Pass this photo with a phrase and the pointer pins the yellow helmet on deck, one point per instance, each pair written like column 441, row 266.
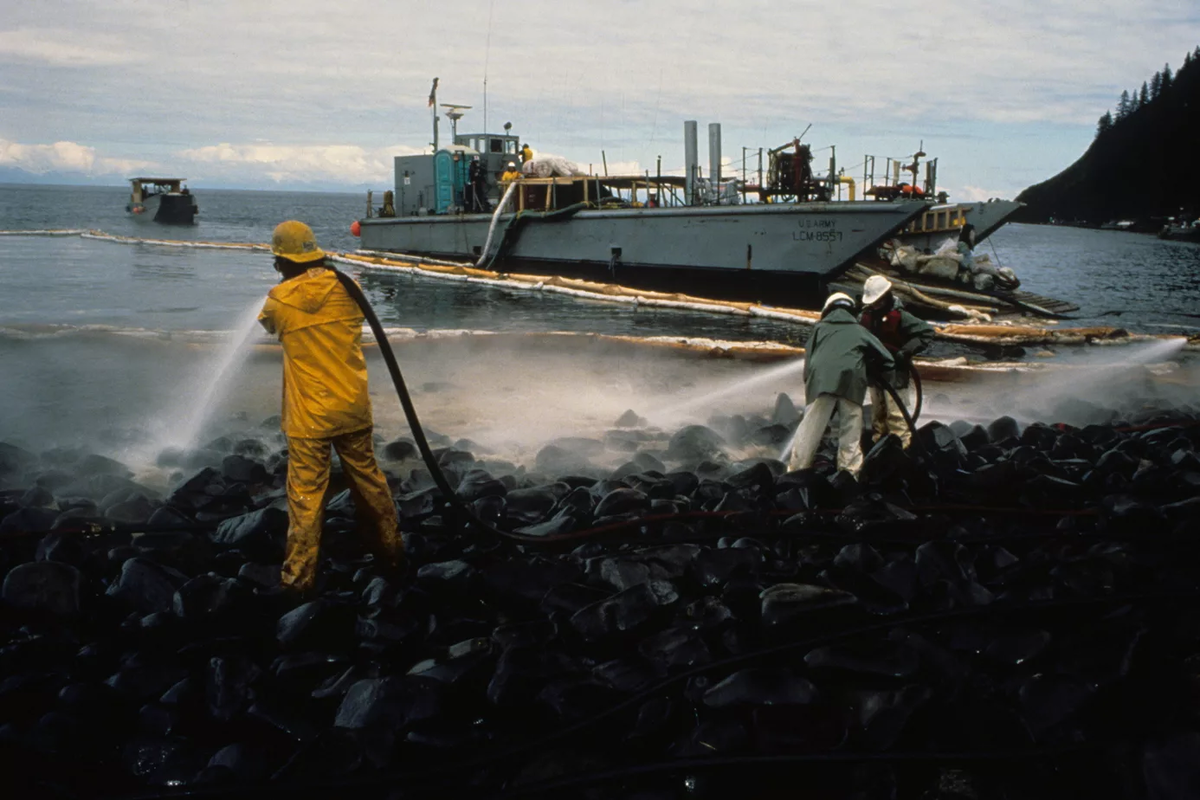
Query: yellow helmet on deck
column 295, row 241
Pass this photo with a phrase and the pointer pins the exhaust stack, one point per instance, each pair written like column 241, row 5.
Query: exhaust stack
column 714, row 155
column 691, row 161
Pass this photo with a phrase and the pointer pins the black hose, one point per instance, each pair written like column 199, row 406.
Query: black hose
column 410, row 412
column 909, row 420
column 916, row 379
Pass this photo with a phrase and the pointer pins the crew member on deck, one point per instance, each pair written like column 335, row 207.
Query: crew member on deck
column 511, row 173
column 526, row 153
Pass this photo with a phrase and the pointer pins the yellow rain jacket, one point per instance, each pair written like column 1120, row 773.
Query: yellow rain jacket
column 324, row 373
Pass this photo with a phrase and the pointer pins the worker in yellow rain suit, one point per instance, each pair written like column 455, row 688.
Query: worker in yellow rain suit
column 325, row 402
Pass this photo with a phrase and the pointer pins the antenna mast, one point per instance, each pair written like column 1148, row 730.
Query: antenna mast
column 433, row 107
column 486, row 54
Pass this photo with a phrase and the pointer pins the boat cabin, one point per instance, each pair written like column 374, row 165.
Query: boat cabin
column 147, row 187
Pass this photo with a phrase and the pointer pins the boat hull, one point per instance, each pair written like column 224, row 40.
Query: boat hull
column 746, row 252
column 170, row 209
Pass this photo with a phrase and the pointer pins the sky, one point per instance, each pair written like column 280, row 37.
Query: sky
column 304, row 94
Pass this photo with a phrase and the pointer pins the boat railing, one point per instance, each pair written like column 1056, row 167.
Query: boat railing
column 939, row 220
column 593, row 191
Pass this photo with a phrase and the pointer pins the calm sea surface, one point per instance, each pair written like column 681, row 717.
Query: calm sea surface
column 93, row 332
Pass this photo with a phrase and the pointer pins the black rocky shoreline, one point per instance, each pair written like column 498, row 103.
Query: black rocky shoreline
column 1000, row 612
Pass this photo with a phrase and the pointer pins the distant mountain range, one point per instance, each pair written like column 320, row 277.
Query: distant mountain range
column 1142, row 165
column 15, row 175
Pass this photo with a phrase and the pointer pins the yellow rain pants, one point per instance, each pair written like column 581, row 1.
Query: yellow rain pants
column 307, row 482
column 325, row 403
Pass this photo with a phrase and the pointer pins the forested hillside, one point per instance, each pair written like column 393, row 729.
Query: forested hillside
column 1142, row 164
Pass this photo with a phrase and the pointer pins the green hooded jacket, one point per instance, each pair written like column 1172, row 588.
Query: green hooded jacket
column 839, row 352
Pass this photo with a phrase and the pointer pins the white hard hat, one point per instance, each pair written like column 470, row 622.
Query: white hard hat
column 875, row 287
column 838, row 299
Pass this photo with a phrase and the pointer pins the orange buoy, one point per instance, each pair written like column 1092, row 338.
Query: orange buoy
column 355, row 228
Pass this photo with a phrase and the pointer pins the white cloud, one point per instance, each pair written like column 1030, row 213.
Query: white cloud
column 347, row 164
column 61, row 47
column 317, row 78
column 64, row 157
column 971, row 194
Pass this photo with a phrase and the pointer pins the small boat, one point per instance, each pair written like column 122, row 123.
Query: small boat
column 1182, row 230
column 162, row 200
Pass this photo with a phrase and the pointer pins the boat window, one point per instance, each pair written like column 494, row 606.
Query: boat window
column 497, row 145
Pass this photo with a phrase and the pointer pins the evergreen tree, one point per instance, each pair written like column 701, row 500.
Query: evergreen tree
column 1104, row 125
column 1166, row 78
column 1144, row 96
column 1156, row 86
column 1123, row 108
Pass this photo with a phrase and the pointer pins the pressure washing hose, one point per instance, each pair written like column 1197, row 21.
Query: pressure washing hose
column 909, row 419
column 410, row 412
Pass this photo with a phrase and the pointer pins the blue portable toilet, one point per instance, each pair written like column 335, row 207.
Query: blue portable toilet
column 450, row 174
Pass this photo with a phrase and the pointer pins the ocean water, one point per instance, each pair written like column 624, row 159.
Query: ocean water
column 109, row 346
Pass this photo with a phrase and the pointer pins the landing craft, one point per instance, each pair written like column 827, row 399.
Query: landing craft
column 162, row 200
column 780, row 241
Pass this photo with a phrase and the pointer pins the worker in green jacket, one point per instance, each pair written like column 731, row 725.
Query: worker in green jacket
column 840, row 354
column 904, row 335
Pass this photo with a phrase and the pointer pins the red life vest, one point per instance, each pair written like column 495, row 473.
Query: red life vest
column 886, row 328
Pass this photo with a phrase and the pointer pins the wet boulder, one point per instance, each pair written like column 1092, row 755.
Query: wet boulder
column 209, row 596
column 227, row 685
column 393, row 702
column 785, row 412
column 146, row 586
column 65, row 548
column 477, row 484
column 786, row 603
column 28, row 520
column 629, row 419
column 241, row 469
column 761, row 686
column 625, row 612
column 94, row 464
column 533, row 504
column 679, row 647
column 622, row 501
column 42, row 586
column 695, row 443
column 529, row 578
column 15, row 461
column 37, row 497
column 522, row 672
column 400, row 450
column 568, row 455
column 1002, row 429
column 260, row 534
column 319, row 624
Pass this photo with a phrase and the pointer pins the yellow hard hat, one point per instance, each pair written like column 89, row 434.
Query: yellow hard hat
column 295, row 241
